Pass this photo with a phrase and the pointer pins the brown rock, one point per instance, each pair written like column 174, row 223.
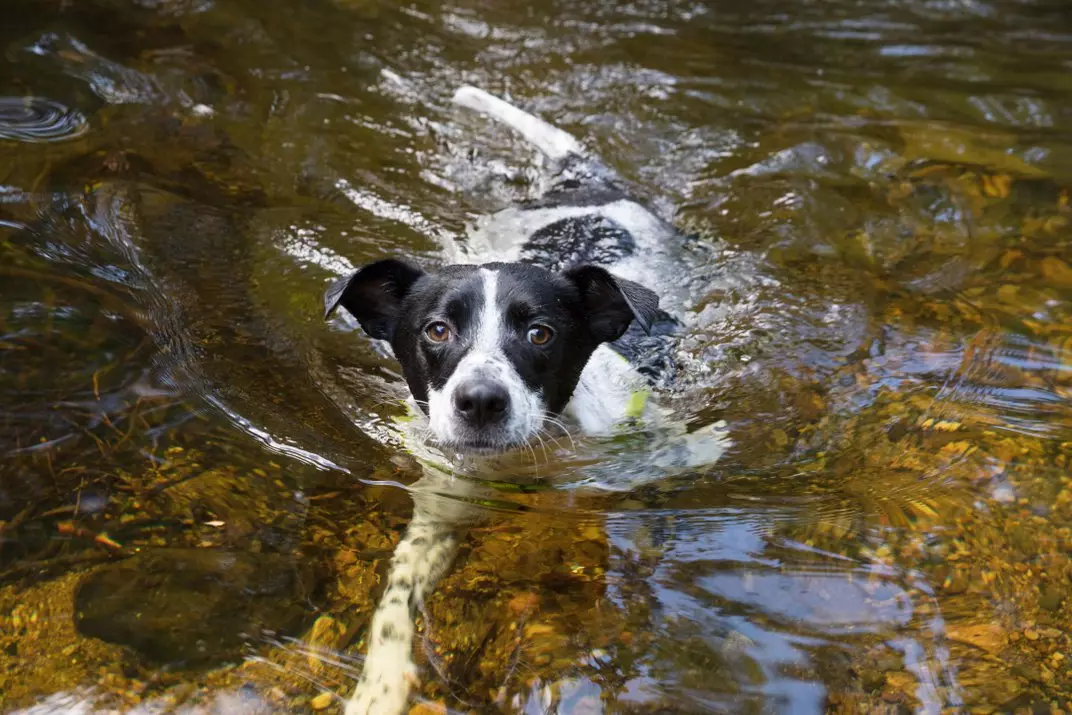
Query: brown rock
column 1056, row 272
column 523, row 603
column 321, row 701
column 985, row 636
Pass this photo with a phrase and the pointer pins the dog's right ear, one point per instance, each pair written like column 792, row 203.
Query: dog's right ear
column 373, row 295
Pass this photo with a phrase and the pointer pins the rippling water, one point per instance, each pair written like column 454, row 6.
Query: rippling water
column 200, row 482
column 32, row 119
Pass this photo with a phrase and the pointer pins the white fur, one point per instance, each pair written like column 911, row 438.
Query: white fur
column 602, row 397
column 495, row 237
column 551, row 140
column 487, row 361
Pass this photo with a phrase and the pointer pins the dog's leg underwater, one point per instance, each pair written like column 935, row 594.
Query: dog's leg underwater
column 420, row 559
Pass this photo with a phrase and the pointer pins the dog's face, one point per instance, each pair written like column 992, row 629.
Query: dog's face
column 489, row 352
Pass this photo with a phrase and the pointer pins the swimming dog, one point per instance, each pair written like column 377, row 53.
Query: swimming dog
column 544, row 320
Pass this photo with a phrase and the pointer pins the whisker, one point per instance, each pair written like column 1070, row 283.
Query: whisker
column 554, row 440
column 556, row 422
column 553, row 419
column 544, row 432
column 543, row 445
column 426, row 435
column 535, row 460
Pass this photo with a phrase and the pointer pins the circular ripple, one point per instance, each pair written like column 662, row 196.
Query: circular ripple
column 35, row 119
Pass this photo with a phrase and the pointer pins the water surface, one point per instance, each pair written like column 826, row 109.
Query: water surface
column 199, row 487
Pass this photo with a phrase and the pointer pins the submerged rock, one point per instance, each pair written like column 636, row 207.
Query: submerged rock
column 190, row 607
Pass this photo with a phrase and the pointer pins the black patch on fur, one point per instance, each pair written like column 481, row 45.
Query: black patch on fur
column 576, row 240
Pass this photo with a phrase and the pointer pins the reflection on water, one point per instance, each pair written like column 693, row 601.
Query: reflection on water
column 877, row 272
column 33, row 119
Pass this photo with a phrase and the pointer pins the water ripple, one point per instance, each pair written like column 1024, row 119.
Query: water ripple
column 36, row 119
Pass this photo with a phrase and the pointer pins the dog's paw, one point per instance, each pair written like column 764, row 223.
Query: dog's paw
column 383, row 691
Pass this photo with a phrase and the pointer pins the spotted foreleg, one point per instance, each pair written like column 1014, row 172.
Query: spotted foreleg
column 423, row 555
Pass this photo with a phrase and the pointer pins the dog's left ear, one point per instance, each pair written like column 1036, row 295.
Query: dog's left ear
column 612, row 303
column 373, row 295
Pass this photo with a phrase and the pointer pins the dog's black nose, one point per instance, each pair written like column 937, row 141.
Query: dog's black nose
column 481, row 403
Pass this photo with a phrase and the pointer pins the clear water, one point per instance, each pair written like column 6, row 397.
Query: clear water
column 198, row 489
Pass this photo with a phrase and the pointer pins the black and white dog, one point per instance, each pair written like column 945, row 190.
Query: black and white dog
column 541, row 321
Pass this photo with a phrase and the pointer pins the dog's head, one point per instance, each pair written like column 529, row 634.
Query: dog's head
column 491, row 351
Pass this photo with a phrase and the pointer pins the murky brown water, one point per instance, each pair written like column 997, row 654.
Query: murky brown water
column 198, row 491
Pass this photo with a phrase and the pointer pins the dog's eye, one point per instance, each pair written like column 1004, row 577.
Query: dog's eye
column 438, row 332
column 540, row 335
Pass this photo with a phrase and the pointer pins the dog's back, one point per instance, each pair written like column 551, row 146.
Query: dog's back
column 585, row 215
